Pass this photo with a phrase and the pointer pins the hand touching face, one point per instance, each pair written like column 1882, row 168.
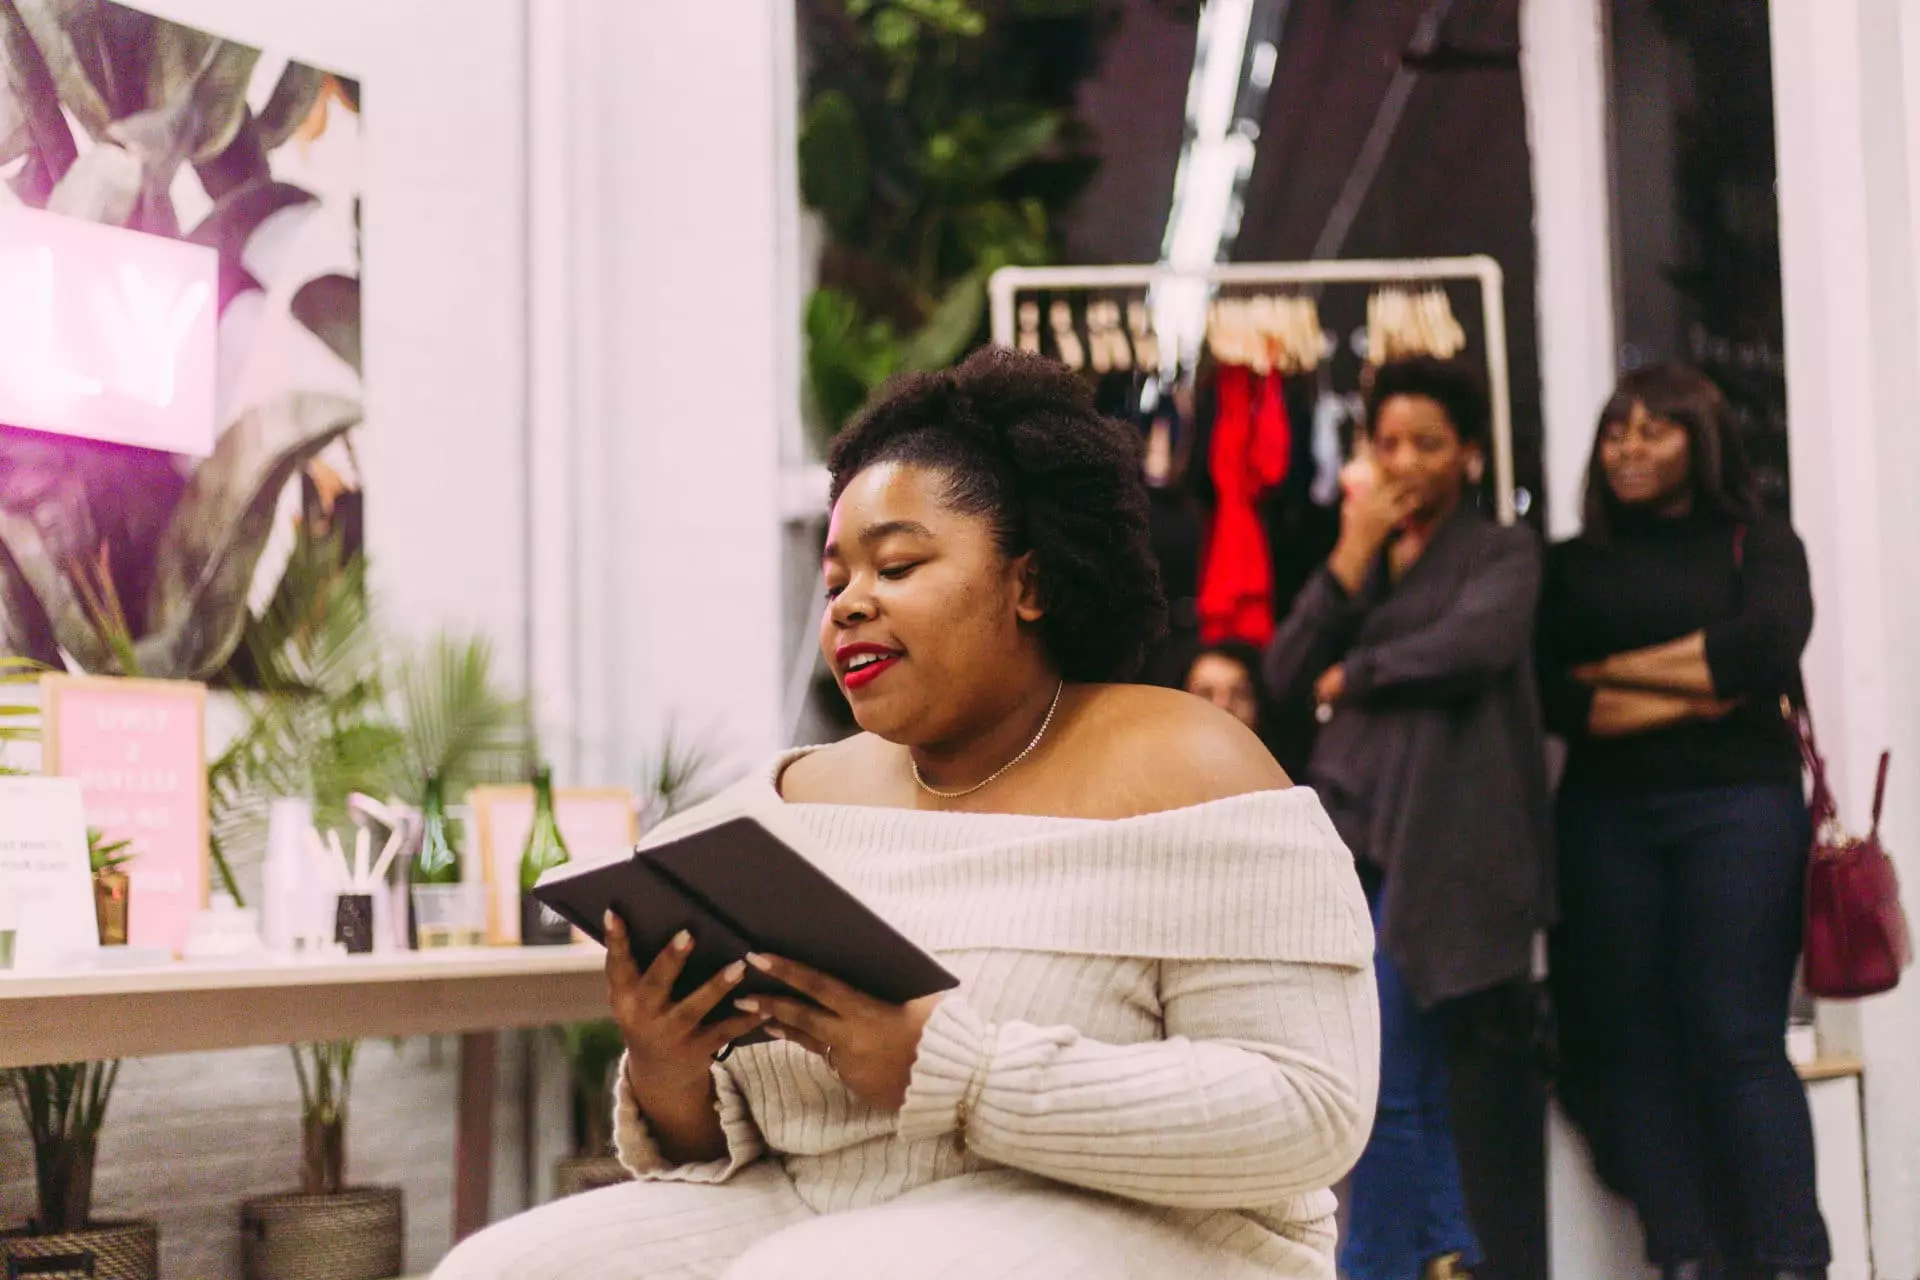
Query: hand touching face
column 1419, row 452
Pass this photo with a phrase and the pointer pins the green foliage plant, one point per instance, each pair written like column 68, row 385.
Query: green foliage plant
column 939, row 141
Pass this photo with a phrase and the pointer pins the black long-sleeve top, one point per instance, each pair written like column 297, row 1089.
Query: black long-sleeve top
column 1658, row 580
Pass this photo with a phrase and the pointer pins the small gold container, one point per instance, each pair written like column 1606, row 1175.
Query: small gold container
column 110, row 906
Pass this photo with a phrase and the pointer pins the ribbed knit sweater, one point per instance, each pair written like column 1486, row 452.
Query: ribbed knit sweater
column 1176, row 1009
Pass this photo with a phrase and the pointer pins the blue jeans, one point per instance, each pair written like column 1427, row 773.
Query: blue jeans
column 1680, row 929
column 1404, row 1203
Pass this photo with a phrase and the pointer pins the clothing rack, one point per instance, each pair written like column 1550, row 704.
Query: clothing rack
column 1008, row 282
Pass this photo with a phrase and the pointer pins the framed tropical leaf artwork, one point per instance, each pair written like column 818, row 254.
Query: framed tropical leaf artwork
column 180, row 381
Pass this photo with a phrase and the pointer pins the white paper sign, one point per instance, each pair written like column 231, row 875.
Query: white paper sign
column 46, row 882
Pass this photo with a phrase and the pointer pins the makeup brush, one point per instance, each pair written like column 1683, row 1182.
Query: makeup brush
column 396, row 839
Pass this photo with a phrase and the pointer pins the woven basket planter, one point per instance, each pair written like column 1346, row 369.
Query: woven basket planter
column 114, row 1250
column 356, row 1234
column 588, row 1173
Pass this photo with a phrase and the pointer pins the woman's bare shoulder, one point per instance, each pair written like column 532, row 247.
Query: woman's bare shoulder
column 832, row 774
column 1171, row 750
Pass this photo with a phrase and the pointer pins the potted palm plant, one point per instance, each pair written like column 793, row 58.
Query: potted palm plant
column 327, row 1230
column 64, row 1106
column 337, row 716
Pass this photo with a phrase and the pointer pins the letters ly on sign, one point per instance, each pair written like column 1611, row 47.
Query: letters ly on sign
column 107, row 334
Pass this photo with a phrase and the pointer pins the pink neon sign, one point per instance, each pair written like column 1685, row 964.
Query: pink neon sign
column 107, row 334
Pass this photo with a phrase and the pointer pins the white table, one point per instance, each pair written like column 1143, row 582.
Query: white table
column 190, row 1008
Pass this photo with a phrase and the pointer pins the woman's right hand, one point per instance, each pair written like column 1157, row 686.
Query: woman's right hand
column 1370, row 514
column 1706, row 708
column 669, row 1050
column 1368, row 517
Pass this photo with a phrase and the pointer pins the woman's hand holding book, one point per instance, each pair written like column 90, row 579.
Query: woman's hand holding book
column 670, row 1051
column 870, row 1044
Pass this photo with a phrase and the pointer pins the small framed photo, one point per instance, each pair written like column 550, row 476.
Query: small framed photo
column 138, row 750
column 599, row 824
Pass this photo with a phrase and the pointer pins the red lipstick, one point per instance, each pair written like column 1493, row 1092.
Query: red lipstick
column 861, row 663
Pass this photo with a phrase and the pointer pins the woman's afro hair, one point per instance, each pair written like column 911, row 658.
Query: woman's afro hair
column 1021, row 444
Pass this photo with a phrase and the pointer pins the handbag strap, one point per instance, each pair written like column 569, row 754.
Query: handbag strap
column 1821, row 801
column 1880, row 792
column 1794, row 706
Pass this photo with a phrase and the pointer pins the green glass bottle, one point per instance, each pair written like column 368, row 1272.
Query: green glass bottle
column 540, row 925
column 436, row 863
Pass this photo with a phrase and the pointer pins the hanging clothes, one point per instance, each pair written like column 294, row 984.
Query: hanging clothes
column 1330, row 414
column 1299, row 532
column 1251, row 449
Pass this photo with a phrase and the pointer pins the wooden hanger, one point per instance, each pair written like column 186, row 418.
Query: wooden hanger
column 1029, row 338
column 1106, row 341
column 1146, row 344
column 1122, row 350
column 1262, row 333
column 1446, row 336
column 1066, row 340
column 1301, row 336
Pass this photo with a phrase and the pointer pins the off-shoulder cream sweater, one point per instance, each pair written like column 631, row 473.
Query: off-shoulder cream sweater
column 1176, row 1009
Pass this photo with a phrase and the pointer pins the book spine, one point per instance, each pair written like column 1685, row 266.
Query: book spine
column 697, row 898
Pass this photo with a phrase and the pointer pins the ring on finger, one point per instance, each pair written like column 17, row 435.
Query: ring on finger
column 829, row 1057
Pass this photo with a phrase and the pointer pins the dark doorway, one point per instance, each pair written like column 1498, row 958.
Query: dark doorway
column 1697, row 240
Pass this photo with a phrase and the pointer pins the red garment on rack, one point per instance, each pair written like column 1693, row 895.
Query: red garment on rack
column 1252, row 444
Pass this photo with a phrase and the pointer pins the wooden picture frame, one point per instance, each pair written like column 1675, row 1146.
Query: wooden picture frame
column 138, row 749
column 598, row 824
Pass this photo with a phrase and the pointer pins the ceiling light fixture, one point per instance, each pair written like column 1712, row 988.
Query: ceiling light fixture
column 1236, row 53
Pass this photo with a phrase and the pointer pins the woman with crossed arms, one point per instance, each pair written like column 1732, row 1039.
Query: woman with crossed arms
column 1670, row 630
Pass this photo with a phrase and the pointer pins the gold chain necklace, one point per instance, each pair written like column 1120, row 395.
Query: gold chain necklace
column 995, row 775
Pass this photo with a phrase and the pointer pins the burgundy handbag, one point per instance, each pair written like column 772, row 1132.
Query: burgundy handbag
column 1857, row 941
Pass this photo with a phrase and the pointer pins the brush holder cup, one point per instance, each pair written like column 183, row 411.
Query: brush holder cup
column 353, row 922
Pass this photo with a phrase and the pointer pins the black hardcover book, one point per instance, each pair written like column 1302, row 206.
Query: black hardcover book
column 738, row 888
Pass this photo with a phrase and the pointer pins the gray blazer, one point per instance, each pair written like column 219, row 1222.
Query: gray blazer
column 1433, row 767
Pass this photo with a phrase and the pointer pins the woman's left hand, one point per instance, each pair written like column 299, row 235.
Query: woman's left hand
column 1593, row 674
column 1331, row 686
column 868, row 1043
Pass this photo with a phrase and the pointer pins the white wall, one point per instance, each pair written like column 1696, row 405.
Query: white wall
column 1848, row 168
column 444, row 237
column 664, row 375
column 1564, row 70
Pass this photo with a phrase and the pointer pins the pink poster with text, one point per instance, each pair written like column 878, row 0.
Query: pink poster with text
column 137, row 748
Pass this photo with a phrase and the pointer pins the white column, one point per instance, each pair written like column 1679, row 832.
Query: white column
column 663, row 373
column 1563, row 66
column 1847, row 255
column 553, row 121
column 1564, row 71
